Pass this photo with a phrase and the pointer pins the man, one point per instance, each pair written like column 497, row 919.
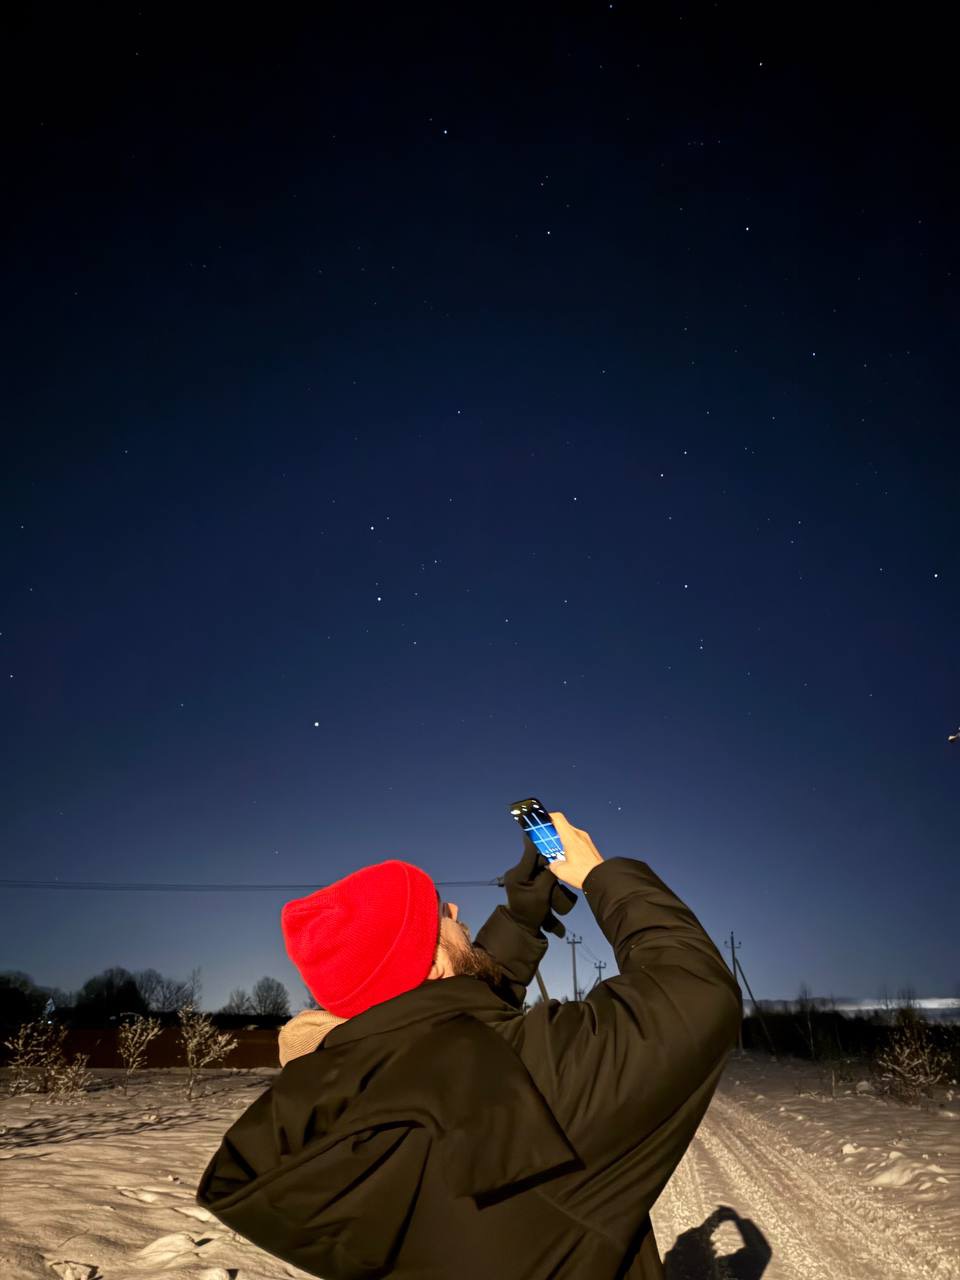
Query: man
column 433, row 1129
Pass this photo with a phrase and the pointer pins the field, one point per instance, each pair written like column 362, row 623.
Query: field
column 812, row 1186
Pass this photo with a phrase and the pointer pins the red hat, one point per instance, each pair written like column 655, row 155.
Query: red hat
column 366, row 938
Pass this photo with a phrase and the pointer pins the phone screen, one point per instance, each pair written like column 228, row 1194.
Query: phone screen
column 534, row 819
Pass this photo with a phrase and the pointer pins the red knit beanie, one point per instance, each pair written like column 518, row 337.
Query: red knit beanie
column 366, row 938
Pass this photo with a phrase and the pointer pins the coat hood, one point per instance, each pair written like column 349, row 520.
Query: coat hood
column 323, row 1169
column 304, row 1032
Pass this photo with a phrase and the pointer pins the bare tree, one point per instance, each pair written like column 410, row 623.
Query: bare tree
column 907, row 997
column 165, row 995
column 174, row 994
column 804, row 1007
column 270, row 998
column 239, row 1002
column 149, row 982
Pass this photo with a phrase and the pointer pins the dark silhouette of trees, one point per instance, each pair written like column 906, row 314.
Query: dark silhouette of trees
column 21, row 1000
column 239, row 1002
column 270, row 998
column 166, row 995
column 107, row 995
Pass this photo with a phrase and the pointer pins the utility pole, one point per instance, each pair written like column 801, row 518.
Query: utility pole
column 598, row 965
column 733, row 944
column 737, row 968
column 574, row 942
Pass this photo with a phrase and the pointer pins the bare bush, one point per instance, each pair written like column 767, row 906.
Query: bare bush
column 39, row 1064
column 132, row 1040
column 34, row 1050
column 69, row 1081
column 203, row 1045
column 911, row 1064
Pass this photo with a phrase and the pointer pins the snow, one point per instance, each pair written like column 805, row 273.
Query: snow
column 852, row 1187
column 848, row 1185
column 933, row 1008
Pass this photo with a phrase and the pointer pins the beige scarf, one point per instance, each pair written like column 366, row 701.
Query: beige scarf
column 304, row 1032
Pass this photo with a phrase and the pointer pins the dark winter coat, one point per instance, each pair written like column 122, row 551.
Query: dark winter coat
column 444, row 1133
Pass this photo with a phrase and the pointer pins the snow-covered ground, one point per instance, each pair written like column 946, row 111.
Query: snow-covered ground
column 851, row 1187
column 933, row 1008
column 845, row 1188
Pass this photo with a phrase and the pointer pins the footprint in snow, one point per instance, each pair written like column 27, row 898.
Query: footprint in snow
column 195, row 1211
column 148, row 1195
column 68, row 1270
column 170, row 1249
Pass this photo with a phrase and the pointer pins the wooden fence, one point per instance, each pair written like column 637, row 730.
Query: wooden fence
column 256, row 1048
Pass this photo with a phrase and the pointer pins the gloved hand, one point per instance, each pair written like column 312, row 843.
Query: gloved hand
column 534, row 893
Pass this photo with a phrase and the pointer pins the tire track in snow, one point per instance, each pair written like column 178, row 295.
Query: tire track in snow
column 820, row 1224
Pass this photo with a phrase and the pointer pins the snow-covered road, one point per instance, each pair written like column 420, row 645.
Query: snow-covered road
column 786, row 1213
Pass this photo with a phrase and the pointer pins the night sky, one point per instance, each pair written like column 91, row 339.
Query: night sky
column 410, row 409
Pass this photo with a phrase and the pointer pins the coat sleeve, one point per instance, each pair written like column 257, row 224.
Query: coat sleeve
column 629, row 1071
column 517, row 949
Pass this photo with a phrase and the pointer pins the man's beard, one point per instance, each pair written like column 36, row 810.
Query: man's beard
column 474, row 962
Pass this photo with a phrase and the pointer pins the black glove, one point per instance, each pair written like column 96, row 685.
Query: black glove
column 534, row 893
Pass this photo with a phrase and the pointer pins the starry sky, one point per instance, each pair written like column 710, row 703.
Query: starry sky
column 408, row 410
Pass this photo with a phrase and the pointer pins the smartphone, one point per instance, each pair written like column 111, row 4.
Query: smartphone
column 534, row 819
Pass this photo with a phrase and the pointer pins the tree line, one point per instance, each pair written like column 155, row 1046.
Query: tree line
column 117, row 991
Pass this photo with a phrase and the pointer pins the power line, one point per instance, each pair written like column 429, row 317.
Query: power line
column 199, row 888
